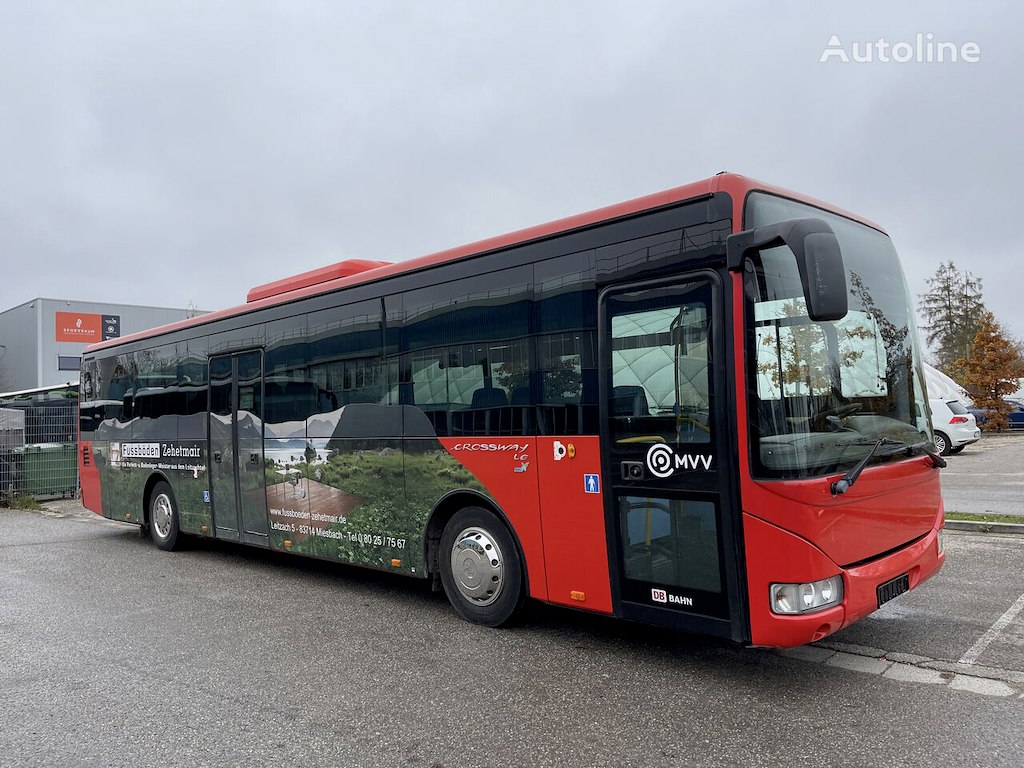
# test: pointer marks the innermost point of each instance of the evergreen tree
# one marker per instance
(952, 308)
(991, 371)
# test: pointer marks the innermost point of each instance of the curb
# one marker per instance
(981, 526)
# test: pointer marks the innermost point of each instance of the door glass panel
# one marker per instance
(660, 355)
(222, 472)
(220, 386)
(249, 424)
(671, 542)
(250, 389)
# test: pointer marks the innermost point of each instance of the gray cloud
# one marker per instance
(163, 153)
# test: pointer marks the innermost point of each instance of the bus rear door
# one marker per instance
(237, 477)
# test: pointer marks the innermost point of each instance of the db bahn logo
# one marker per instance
(662, 461)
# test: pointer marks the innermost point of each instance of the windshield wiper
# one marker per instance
(937, 461)
(928, 447)
(843, 485)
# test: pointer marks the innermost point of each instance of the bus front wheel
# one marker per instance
(163, 517)
(480, 568)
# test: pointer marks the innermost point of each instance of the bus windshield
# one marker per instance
(823, 394)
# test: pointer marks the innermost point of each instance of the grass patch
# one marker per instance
(23, 501)
(988, 518)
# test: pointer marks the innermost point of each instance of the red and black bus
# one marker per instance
(700, 409)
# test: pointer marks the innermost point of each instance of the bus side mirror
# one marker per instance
(819, 260)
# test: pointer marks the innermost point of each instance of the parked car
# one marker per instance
(954, 426)
(1015, 416)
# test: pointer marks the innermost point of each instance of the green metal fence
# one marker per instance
(38, 443)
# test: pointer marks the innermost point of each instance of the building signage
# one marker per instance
(87, 328)
(111, 327)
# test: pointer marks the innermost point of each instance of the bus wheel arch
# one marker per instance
(147, 497)
(475, 556)
(163, 518)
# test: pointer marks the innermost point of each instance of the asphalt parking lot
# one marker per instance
(987, 477)
(117, 654)
(128, 656)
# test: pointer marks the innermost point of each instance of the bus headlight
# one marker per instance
(804, 598)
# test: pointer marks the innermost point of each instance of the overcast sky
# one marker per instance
(170, 153)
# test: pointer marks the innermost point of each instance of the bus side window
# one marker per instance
(119, 384)
(568, 385)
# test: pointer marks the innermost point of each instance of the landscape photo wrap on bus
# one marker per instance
(357, 484)
(123, 479)
(361, 501)
(358, 500)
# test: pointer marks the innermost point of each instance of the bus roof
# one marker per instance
(355, 271)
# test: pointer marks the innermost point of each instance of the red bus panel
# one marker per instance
(89, 475)
(888, 507)
(506, 467)
(575, 545)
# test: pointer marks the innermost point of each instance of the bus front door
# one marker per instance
(669, 512)
(237, 478)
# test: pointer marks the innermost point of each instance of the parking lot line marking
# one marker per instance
(1001, 623)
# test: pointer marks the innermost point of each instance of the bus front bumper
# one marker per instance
(865, 587)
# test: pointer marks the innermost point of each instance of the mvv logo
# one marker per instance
(662, 461)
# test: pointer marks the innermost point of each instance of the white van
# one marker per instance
(954, 426)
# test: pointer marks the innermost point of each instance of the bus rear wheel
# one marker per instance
(480, 568)
(163, 517)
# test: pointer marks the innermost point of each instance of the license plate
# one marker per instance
(893, 588)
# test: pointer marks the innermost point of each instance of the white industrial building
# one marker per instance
(41, 341)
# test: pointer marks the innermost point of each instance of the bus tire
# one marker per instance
(163, 517)
(480, 568)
